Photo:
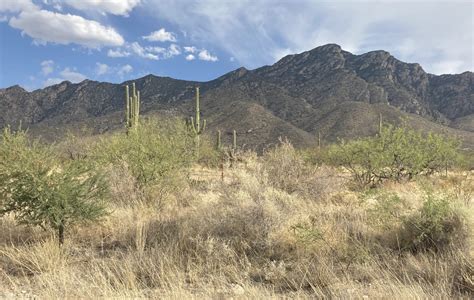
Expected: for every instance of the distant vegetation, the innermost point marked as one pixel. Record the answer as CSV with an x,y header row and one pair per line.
x,y
396,153
384,216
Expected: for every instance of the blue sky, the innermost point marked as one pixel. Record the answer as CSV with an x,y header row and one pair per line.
x,y
43,42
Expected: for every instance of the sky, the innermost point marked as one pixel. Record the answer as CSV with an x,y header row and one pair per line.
x,y
44,42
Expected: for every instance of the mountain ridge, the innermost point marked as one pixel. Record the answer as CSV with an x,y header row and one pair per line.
x,y
302,90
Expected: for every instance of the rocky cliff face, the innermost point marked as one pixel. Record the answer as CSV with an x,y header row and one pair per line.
x,y
300,94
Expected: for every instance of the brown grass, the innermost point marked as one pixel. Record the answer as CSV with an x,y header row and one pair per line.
x,y
274,228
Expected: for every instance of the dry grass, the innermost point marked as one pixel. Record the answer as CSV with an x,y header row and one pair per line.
x,y
274,228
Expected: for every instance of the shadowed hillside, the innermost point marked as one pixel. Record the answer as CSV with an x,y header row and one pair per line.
x,y
325,89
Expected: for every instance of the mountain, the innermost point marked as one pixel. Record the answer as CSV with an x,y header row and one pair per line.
x,y
325,89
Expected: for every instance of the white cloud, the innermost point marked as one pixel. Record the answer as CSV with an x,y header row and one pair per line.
x,y
190,57
165,53
155,49
173,50
47,67
190,49
125,70
117,53
52,81
150,52
16,5
46,26
101,69
205,55
72,76
257,32
115,7
141,52
447,67
160,36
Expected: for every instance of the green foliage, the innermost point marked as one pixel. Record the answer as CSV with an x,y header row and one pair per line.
x,y
435,226
396,154
40,191
154,154
387,209
209,155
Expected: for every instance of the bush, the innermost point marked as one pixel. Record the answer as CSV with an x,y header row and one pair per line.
x,y
395,154
435,226
154,154
40,191
285,167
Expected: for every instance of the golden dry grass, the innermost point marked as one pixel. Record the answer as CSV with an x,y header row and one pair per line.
x,y
271,229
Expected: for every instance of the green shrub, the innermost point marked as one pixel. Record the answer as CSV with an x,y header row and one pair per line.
x,y
40,191
387,210
154,154
435,226
395,154
208,154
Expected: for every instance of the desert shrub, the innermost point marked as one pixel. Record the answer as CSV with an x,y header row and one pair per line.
x,y
436,226
466,160
40,191
396,154
387,210
154,154
315,156
285,167
208,154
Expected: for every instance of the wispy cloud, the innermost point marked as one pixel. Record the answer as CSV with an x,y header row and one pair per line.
x,y
205,55
72,75
101,69
257,32
117,53
47,67
160,36
124,70
115,7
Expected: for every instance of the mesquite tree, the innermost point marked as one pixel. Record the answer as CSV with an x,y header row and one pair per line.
x,y
40,191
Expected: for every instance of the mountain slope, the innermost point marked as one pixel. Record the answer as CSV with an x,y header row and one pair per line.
x,y
325,89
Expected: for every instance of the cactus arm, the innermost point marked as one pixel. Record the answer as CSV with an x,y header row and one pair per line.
x,y
193,126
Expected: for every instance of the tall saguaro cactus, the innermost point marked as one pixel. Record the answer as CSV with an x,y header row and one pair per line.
x,y
132,104
196,125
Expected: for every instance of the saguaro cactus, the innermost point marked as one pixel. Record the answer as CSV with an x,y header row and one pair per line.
x,y
132,104
196,125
